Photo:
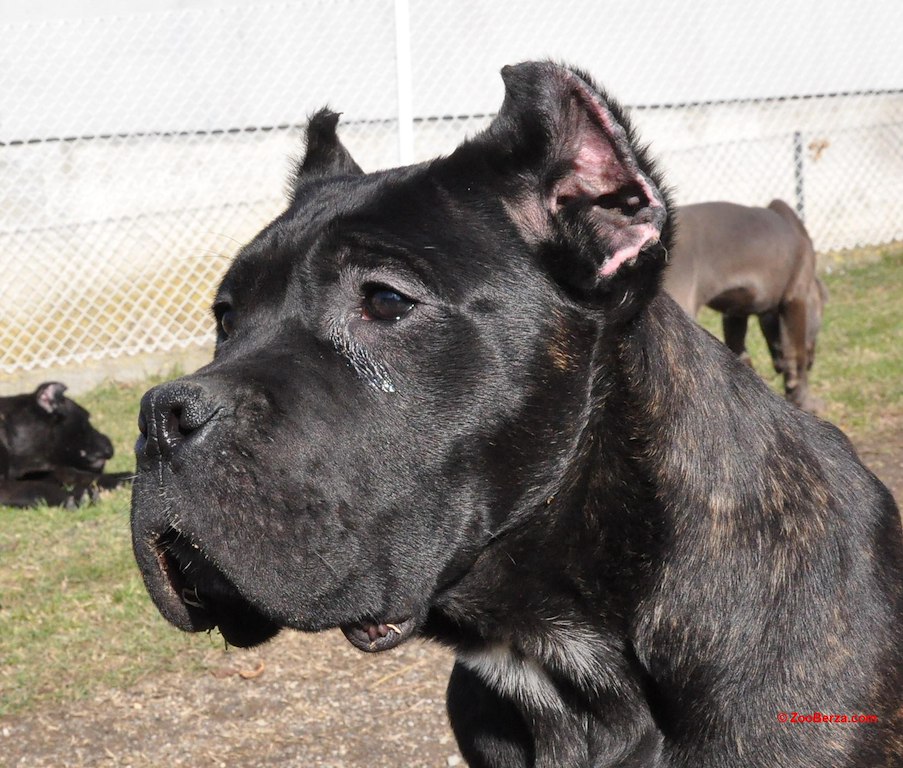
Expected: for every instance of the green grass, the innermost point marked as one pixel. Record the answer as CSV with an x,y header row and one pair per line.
x,y
74,616
74,611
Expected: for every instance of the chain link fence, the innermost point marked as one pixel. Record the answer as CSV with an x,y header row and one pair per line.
x,y
138,152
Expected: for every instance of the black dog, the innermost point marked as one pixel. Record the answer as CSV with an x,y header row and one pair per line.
x,y
449,400
49,452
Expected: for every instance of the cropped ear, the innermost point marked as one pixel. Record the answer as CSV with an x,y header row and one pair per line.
x,y
49,396
324,153
590,181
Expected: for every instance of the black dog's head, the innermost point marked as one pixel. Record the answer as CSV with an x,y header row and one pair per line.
x,y
45,430
405,363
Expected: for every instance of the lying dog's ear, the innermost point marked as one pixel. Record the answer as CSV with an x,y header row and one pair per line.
x,y
324,153
49,396
589,183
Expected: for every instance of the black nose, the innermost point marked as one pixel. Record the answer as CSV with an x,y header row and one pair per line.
x,y
104,448
172,414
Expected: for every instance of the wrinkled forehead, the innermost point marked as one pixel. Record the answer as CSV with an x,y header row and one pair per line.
x,y
318,209
413,218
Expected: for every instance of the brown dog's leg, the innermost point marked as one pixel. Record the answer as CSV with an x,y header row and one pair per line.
x,y
735,336
793,344
770,324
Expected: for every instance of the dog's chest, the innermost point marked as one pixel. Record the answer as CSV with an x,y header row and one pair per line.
x,y
528,676
515,676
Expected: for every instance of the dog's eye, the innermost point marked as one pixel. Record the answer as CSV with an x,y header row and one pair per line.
x,y
227,322
382,303
225,318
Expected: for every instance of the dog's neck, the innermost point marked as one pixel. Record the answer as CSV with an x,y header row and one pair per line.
x,y
627,498
707,453
556,613
566,546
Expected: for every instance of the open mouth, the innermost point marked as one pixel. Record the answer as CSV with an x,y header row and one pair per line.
x,y
194,595
374,636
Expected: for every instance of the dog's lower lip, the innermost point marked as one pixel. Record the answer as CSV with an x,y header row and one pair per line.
x,y
169,567
175,593
174,575
194,595
373,636
191,597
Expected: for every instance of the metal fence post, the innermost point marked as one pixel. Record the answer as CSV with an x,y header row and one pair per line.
x,y
798,177
404,82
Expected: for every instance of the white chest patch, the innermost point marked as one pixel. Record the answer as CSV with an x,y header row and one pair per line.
x,y
578,654
514,676
572,652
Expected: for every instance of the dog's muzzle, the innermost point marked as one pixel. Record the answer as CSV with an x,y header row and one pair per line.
x,y
193,594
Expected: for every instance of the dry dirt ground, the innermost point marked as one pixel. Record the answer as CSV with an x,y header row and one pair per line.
x,y
302,700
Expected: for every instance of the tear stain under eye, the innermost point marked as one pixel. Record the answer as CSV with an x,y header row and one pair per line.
x,y
361,361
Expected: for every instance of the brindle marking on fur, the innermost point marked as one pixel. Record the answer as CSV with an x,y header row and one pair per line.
x,y
688,454
561,342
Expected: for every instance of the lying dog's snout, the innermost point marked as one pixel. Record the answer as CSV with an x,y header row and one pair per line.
x,y
173,414
105,448
101,450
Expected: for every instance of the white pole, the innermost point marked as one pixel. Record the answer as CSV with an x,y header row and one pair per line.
x,y
404,80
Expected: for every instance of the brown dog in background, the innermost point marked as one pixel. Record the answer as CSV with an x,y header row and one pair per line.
x,y
744,261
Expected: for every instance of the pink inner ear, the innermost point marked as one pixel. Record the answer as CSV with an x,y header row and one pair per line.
x,y
596,168
45,402
629,242
49,395
598,165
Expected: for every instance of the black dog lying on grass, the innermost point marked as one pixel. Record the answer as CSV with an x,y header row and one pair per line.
x,y
449,400
49,452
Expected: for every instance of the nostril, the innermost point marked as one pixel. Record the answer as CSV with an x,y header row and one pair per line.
x,y
178,423
174,426
173,414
